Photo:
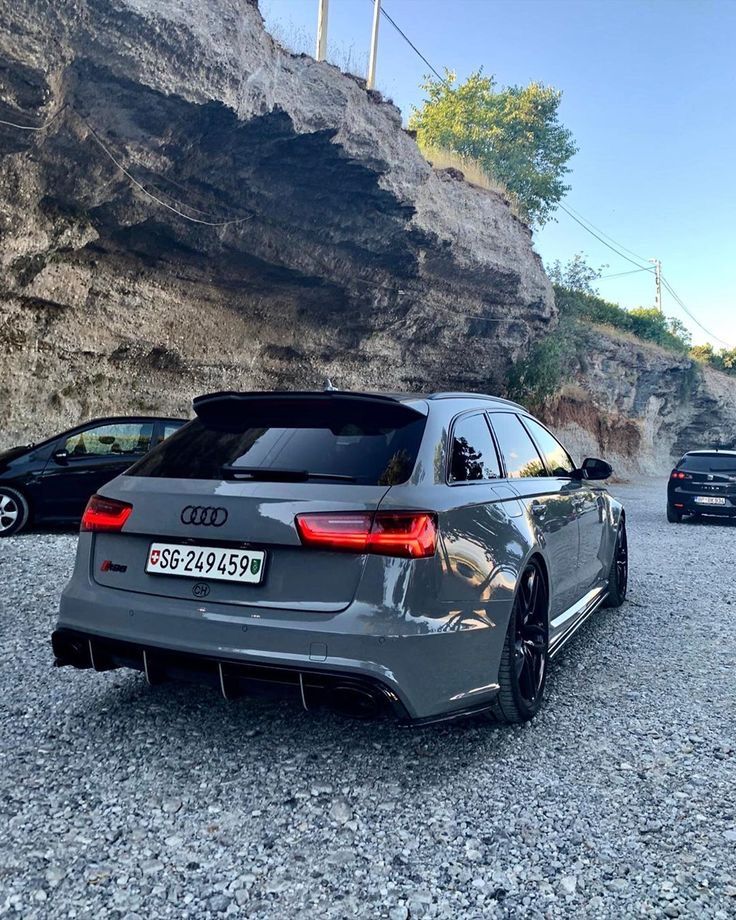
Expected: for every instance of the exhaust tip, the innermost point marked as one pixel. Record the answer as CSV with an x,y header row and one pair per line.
x,y
70,651
355,702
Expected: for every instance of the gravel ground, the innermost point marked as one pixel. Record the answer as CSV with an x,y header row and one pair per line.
x,y
618,801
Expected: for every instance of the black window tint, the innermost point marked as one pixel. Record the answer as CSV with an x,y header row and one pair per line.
x,y
170,428
708,463
473,454
518,450
117,438
167,429
556,457
370,454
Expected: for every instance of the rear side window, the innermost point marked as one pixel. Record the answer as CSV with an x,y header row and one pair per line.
x,y
347,451
556,457
519,452
119,438
473,455
167,429
708,463
170,428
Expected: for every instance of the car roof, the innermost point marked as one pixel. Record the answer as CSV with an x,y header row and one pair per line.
x,y
268,405
404,397
449,394
712,452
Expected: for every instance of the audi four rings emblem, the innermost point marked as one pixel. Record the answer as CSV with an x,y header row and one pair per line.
x,y
204,515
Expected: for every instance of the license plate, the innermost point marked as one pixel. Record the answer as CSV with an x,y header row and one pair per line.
x,y
709,500
211,562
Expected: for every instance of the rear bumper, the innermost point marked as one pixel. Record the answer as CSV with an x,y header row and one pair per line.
x,y
426,672
687,504
232,678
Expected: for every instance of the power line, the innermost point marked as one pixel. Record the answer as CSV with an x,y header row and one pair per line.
x,y
634,271
42,127
599,238
639,268
413,46
138,185
171,197
609,238
697,322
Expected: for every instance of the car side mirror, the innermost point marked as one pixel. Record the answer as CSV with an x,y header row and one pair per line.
x,y
61,456
593,468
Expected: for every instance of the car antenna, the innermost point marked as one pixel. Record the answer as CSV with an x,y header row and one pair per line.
x,y
329,388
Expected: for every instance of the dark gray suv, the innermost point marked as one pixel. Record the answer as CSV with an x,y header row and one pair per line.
x,y
422,555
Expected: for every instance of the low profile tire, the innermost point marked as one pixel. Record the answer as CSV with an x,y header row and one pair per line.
x,y
523,670
673,515
14,511
618,577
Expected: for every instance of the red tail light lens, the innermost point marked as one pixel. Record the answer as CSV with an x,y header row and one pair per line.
x,y
409,534
335,531
678,474
105,515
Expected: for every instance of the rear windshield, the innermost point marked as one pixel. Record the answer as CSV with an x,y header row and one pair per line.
x,y
702,463
355,451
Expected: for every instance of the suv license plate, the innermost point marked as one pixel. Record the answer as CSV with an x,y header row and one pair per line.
x,y
210,562
709,500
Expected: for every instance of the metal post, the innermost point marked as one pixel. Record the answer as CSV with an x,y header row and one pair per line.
x,y
371,81
658,283
322,12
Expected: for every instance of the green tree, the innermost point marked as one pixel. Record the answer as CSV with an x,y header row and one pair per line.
x,y
679,330
576,274
513,133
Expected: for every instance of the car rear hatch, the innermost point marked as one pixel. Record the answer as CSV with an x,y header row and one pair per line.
x,y
707,475
236,478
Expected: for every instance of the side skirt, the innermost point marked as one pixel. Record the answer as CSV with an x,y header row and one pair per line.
x,y
588,607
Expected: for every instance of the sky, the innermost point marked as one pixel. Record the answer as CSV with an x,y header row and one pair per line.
x,y
649,93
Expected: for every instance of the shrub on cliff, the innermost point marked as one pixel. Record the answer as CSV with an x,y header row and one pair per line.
x,y
577,297
549,363
724,360
513,134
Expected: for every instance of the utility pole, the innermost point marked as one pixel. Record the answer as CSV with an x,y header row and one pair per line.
x,y
658,283
322,12
371,81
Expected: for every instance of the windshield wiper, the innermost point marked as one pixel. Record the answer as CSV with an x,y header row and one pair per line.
x,y
273,474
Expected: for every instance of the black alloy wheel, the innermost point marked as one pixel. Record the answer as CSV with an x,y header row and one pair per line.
x,y
523,669
618,579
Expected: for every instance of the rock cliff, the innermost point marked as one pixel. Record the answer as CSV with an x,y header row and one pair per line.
x,y
203,210
641,406
319,243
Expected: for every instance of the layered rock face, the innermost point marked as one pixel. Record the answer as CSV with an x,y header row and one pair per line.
x,y
642,407
319,242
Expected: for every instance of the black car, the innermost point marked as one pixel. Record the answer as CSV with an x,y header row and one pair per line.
x,y
51,482
703,482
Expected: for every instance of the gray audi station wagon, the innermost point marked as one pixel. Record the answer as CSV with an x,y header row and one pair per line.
x,y
417,555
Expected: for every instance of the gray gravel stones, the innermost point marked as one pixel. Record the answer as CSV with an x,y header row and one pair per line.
x,y
118,801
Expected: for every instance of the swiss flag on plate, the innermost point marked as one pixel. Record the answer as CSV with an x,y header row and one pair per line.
x,y
155,553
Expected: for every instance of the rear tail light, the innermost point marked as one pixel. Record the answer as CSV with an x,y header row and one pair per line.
x,y
105,515
678,474
410,534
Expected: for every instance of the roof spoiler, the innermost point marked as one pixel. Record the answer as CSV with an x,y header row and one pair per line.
x,y
304,409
